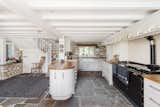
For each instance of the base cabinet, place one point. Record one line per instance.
(62, 84)
(148, 102)
(90, 64)
(151, 93)
(107, 72)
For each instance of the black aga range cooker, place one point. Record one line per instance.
(128, 78)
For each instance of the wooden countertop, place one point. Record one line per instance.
(153, 77)
(61, 65)
(92, 57)
(12, 63)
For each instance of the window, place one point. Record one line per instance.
(87, 51)
(9, 50)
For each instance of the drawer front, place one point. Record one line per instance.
(149, 102)
(148, 82)
(151, 92)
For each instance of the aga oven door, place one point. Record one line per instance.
(135, 90)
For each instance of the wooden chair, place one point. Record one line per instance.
(37, 67)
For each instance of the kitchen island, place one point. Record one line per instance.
(62, 80)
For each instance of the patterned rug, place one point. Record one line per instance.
(24, 85)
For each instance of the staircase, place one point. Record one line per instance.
(44, 44)
(33, 49)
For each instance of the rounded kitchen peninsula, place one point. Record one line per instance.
(61, 80)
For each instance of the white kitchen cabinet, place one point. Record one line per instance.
(107, 72)
(151, 93)
(62, 84)
(90, 64)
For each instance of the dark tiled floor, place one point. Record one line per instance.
(73, 102)
(95, 92)
(91, 91)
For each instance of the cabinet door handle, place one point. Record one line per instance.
(154, 101)
(154, 88)
(54, 75)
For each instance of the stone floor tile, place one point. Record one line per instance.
(99, 91)
(33, 101)
(20, 105)
(90, 92)
(31, 105)
(73, 102)
(47, 103)
(1, 100)
(98, 83)
(12, 101)
(88, 101)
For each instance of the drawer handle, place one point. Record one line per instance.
(154, 101)
(154, 88)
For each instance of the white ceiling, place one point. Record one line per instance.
(80, 20)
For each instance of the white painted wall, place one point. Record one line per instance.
(121, 49)
(139, 51)
(2, 51)
(24, 43)
(67, 44)
(109, 52)
(158, 49)
(135, 50)
(30, 56)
